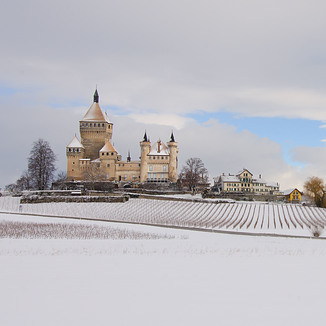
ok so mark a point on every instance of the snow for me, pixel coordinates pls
(193, 279)
(238, 217)
(188, 278)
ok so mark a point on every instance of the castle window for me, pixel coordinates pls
(162, 175)
(166, 157)
(107, 175)
(73, 163)
(112, 153)
(108, 165)
(164, 167)
(102, 124)
(133, 177)
(153, 157)
(107, 153)
(72, 170)
(125, 177)
(103, 154)
(138, 164)
(151, 168)
(150, 157)
(162, 157)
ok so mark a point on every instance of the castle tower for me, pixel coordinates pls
(108, 158)
(173, 163)
(145, 147)
(95, 129)
(75, 152)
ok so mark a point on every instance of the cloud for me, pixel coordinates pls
(154, 63)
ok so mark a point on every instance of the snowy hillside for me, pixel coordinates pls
(244, 217)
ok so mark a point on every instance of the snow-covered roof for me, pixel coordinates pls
(229, 178)
(272, 184)
(108, 147)
(289, 191)
(95, 113)
(243, 170)
(75, 143)
(159, 148)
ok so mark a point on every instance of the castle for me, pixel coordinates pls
(94, 157)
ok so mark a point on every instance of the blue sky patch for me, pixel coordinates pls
(289, 133)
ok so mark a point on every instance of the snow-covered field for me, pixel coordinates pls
(121, 274)
(242, 217)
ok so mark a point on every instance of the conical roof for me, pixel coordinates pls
(108, 147)
(94, 113)
(75, 143)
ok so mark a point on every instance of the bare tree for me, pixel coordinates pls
(315, 189)
(24, 182)
(193, 173)
(94, 174)
(41, 164)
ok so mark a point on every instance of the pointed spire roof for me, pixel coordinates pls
(75, 143)
(96, 97)
(145, 137)
(95, 113)
(108, 147)
(172, 138)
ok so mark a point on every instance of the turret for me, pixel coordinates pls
(75, 153)
(145, 147)
(108, 157)
(173, 163)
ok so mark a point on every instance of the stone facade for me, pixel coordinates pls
(94, 157)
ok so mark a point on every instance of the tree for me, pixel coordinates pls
(193, 173)
(94, 174)
(24, 182)
(315, 188)
(41, 165)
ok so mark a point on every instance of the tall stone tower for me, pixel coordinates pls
(95, 129)
(173, 164)
(145, 147)
(75, 152)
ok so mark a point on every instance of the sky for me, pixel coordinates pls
(240, 83)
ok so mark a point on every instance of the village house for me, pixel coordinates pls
(245, 182)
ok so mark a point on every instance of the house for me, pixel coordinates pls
(245, 182)
(95, 158)
(292, 195)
